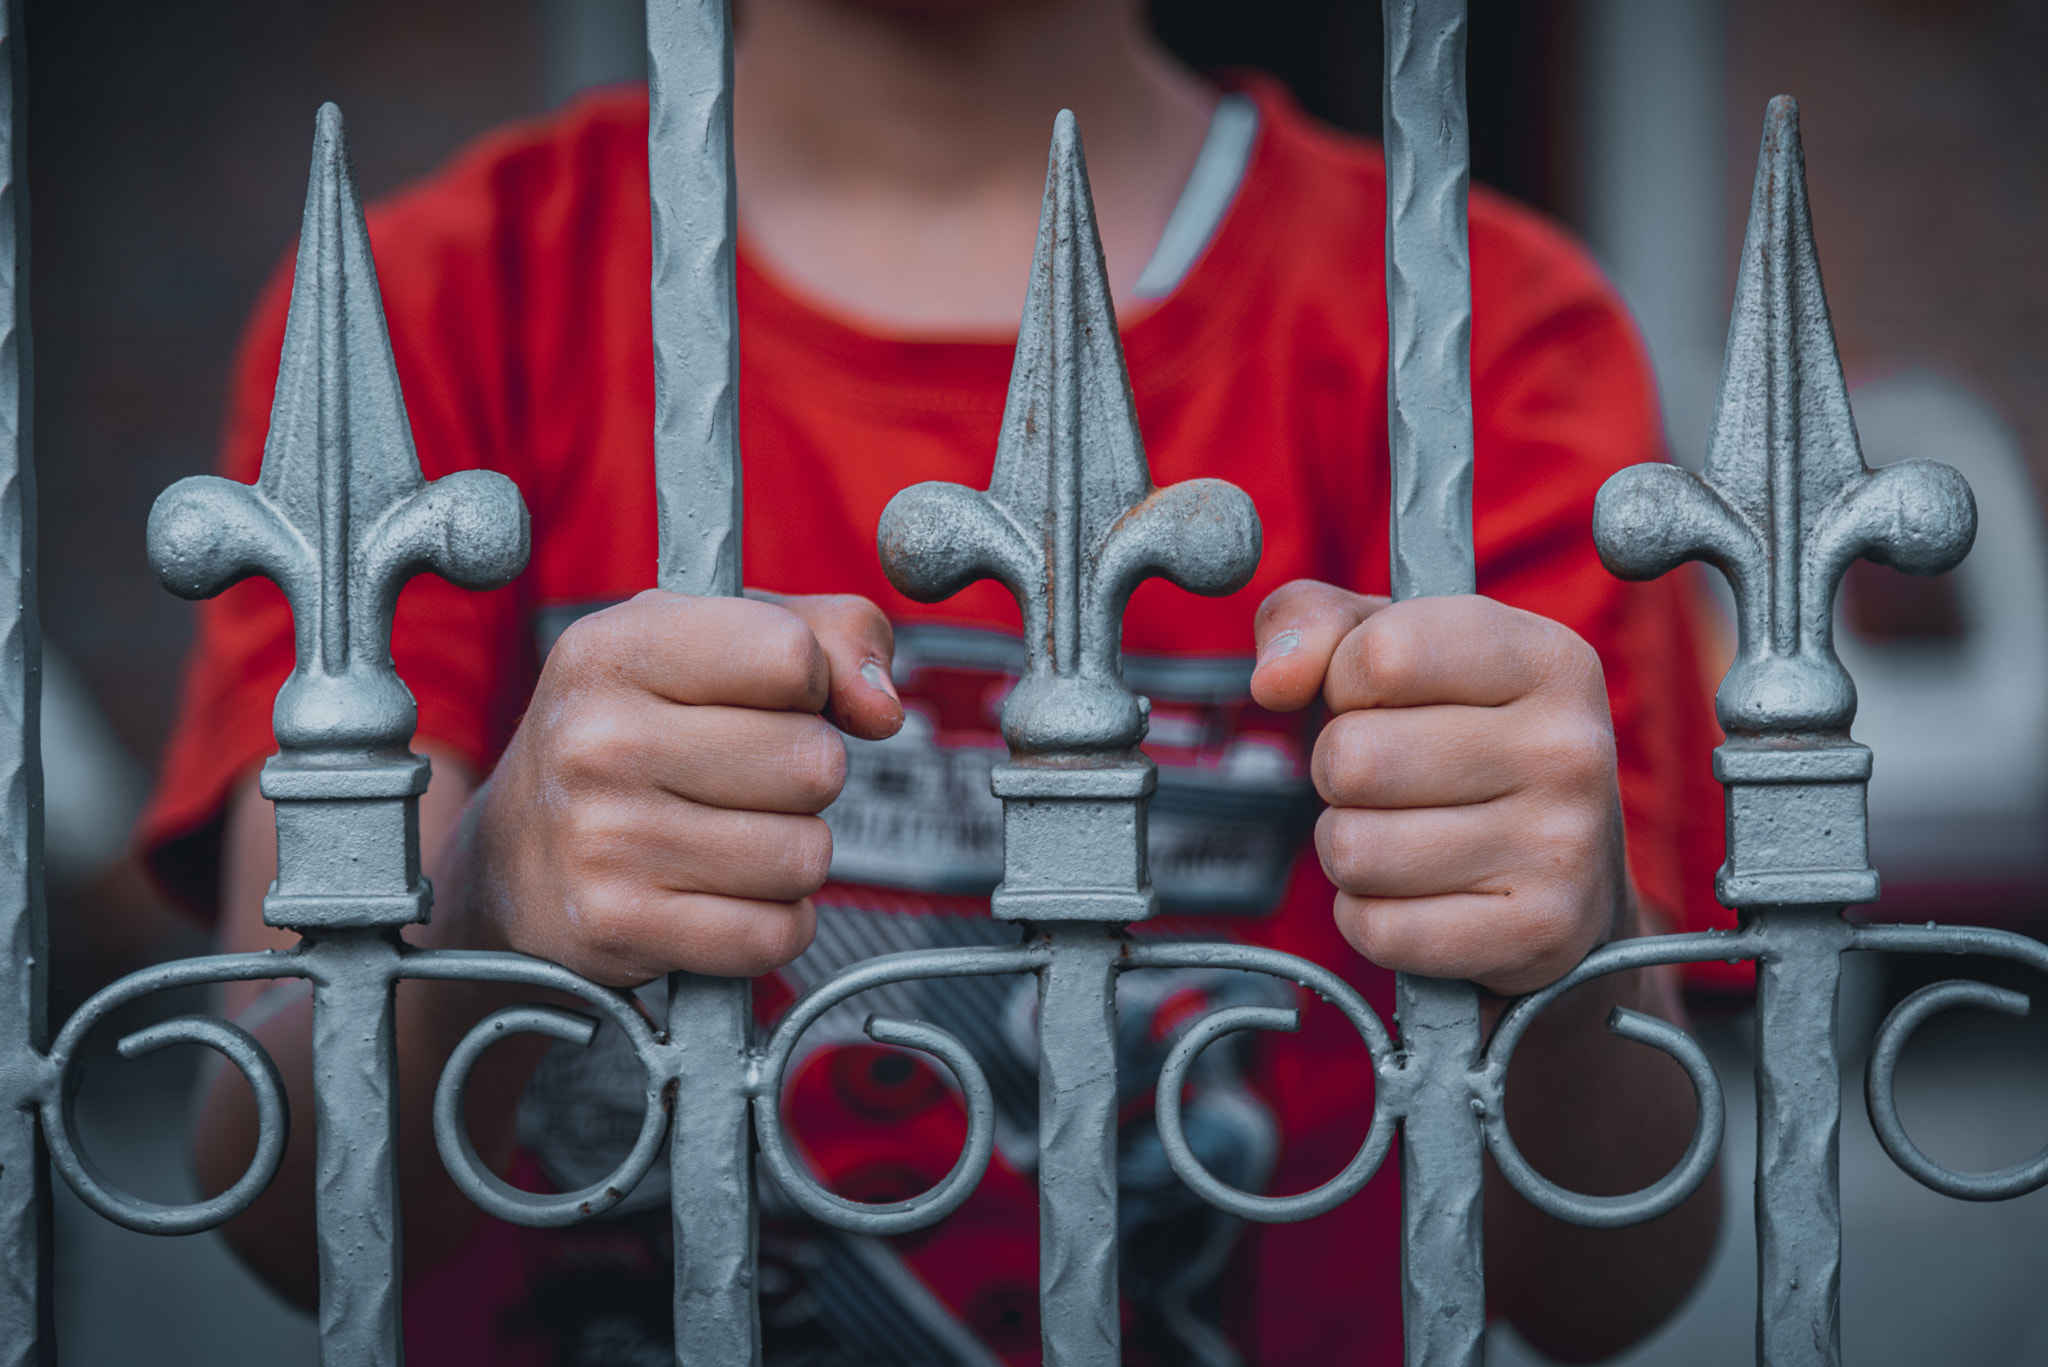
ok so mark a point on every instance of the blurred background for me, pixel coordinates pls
(168, 146)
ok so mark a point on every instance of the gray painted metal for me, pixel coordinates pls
(1429, 434)
(1071, 522)
(1783, 506)
(24, 1025)
(340, 517)
(698, 503)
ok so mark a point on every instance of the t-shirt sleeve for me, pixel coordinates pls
(1564, 397)
(462, 654)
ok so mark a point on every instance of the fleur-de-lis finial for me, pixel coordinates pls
(1786, 501)
(340, 516)
(1071, 522)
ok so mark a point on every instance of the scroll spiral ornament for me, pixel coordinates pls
(1710, 1122)
(778, 1154)
(68, 1154)
(1206, 1030)
(471, 1175)
(1880, 1079)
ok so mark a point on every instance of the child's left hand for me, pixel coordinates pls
(1474, 827)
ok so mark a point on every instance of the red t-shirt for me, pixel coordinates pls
(516, 285)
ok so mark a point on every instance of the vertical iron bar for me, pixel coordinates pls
(24, 1180)
(697, 491)
(355, 1121)
(1077, 1129)
(696, 313)
(1798, 1129)
(1429, 298)
(1429, 431)
(711, 1166)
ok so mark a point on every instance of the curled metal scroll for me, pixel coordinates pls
(1205, 1031)
(1880, 1080)
(492, 1193)
(273, 1120)
(1665, 1194)
(928, 1207)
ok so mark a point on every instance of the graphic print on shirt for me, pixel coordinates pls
(1233, 806)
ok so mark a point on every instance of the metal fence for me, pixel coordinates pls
(340, 517)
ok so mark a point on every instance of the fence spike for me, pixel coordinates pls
(1783, 505)
(1071, 522)
(1785, 501)
(340, 516)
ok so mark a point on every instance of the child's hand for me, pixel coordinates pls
(1474, 828)
(657, 808)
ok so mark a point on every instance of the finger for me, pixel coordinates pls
(639, 939)
(1296, 631)
(1468, 650)
(859, 645)
(1420, 757)
(1467, 935)
(669, 845)
(719, 651)
(1436, 851)
(732, 757)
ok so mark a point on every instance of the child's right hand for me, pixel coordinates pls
(657, 807)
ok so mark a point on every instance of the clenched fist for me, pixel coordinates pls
(657, 808)
(1474, 826)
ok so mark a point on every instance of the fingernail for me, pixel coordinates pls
(878, 679)
(1286, 643)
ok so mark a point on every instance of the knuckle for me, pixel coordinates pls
(815, 764)
(592, 744)
(1390, 650)
(1568, 661)
(1563, 837)
(783, 935)
(589, 840)
(1346, 757)
(791, 658)
(807, 853)
(1573, 750)
(582, 653)
(1347, 842)
(607, 932)
(1364, 925)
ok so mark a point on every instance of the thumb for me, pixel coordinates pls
(1297, 630)
(859, 646)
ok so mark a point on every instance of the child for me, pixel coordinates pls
(1506, 790)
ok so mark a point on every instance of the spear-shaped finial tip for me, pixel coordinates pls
(1781, 120)
(1782, 162)
(1066, 134)
(330, 145)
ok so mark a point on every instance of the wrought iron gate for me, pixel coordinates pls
(341, 517)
